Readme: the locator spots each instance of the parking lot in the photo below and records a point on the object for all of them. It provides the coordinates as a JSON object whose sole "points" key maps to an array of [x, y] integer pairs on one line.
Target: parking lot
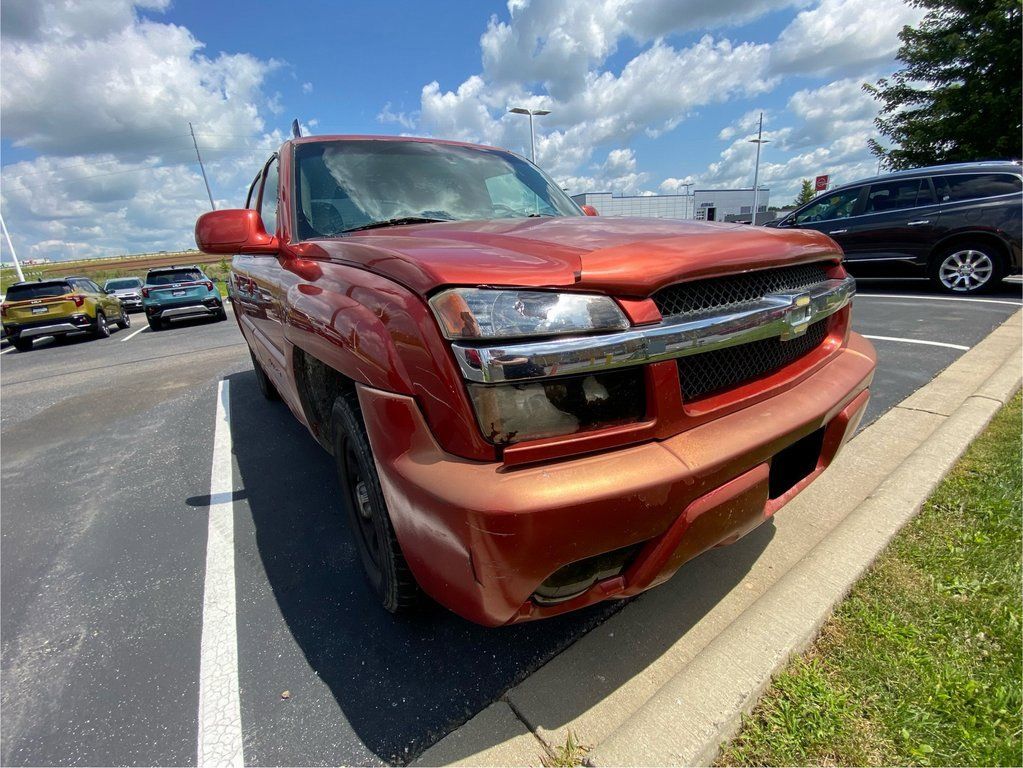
{"points": [[108, 460]]}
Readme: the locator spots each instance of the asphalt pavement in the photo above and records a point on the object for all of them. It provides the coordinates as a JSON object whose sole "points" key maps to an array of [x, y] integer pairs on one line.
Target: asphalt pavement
{"points": [[106, 470]]}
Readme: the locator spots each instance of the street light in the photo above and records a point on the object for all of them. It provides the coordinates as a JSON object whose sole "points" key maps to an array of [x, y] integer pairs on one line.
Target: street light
{"points": [[756, 172], [530, 112]]}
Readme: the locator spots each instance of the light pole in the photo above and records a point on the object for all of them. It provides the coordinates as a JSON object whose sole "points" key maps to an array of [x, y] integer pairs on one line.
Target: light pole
{"points": [[10, 246], [530, 112], [756, 171]]}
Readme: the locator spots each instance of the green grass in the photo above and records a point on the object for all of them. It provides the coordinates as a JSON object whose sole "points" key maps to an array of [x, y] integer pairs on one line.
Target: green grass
{"points": [[568, 756], [921, 665]]}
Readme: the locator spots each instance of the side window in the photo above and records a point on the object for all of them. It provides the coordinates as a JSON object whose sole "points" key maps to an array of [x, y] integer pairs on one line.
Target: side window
{"points": [[971, 186], [895, 195], [268, 199], [93, 287], [839, 205]]}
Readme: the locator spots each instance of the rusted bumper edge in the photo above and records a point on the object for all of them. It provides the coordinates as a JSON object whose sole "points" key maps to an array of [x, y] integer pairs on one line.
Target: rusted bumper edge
{"points": [[481, 537]]}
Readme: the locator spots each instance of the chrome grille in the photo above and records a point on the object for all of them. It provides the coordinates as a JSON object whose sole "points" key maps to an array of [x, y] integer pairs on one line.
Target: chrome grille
{"points": [[710, 372], [734, 291]]}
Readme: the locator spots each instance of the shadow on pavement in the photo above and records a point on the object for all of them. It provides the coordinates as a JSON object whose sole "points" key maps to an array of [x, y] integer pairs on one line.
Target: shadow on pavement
{"points": [[402, 682], [1007, 289]]}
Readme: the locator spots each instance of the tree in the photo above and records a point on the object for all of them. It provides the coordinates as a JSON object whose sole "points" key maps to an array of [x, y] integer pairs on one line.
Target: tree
{"points": [[959, 97], [806, 193]]}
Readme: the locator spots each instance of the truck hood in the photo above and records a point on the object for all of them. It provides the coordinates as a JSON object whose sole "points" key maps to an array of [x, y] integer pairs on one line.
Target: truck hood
{"points": [[621, 256]]}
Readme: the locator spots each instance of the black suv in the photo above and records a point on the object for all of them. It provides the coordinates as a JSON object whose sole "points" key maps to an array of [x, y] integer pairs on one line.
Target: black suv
{"points": [[959, 224]]}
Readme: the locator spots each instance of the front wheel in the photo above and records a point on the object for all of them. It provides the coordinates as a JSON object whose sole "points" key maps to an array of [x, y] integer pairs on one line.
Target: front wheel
{"points": [[125, 322], [385, 567], [266, 387], [101, 330], [155, 323], [22, 345], [967, 269]]}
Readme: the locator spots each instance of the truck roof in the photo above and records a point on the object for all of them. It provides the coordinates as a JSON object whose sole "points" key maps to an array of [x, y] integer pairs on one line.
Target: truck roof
{"points": [[369, 137], [174, 268]]}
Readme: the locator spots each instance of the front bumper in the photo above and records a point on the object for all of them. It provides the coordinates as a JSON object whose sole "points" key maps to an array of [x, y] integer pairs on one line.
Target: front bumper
{"points": [[482, 537]]}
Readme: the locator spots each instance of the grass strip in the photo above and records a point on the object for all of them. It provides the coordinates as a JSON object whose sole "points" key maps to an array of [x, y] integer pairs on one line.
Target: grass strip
{"points": [[921, 665]]}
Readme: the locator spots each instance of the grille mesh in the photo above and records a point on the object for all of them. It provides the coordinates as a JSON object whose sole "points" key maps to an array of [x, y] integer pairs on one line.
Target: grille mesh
{"points": [[733, 291], [709, 372]]}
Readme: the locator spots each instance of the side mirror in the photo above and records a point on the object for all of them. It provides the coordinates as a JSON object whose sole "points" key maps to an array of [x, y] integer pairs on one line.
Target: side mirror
{"points": [[589, 210], [234, 231]]}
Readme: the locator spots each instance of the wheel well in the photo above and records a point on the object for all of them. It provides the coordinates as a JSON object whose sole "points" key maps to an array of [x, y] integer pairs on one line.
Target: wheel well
{"points": [[319, 386], [972, 238]]}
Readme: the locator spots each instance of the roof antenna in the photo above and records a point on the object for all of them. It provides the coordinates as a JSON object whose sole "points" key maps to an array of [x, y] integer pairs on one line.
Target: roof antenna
{"points": [[296, 131]]}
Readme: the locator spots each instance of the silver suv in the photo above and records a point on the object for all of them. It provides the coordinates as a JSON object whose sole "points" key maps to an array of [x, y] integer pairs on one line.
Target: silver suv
{"points": [[127, 289]]}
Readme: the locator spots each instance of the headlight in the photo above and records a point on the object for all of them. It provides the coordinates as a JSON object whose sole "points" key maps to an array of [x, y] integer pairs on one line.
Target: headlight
{"points": [[511, 413], [474, 313]]}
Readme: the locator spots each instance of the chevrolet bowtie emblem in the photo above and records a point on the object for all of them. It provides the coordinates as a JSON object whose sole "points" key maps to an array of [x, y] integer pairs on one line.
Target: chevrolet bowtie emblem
{"points": [[797, 317]]}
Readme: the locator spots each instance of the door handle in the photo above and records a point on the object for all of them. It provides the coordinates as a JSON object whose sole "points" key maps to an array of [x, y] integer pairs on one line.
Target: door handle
{"points": [[918, 223], [838, 231]]}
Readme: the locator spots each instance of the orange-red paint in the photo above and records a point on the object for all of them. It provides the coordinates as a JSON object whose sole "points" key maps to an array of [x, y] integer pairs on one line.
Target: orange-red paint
{"points": [[482, 526]]}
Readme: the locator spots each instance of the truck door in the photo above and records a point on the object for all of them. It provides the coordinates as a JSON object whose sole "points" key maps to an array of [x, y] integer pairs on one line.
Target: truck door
{"points": [[263, 290]]}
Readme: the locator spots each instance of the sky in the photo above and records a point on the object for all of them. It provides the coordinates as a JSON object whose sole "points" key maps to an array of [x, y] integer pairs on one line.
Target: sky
{"points": [[645, 95]]}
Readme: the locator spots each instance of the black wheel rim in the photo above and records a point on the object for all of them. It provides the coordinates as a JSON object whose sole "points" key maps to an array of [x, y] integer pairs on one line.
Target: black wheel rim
{"points": [[362, 507]]}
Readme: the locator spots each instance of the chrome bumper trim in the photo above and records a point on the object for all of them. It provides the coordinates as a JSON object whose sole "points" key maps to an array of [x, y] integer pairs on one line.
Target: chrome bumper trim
{"points": [[191, 309], [782, 315], [49, 330]]}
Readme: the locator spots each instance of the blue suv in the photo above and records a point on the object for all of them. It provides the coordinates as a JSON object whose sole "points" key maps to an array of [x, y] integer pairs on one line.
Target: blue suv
{"points": [[180, 292]]}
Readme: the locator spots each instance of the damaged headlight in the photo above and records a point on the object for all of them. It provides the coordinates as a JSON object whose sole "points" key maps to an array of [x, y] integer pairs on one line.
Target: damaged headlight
{"points": [[477, 313], [511, 413]]}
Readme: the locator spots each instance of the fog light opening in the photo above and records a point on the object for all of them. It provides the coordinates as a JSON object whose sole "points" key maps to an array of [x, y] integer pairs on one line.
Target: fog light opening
{"points": [[575, 578]]}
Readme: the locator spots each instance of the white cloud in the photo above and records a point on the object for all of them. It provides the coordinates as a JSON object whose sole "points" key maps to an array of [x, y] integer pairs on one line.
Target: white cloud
{"points": [[555, 56], [388, 115], [106, 96], [827, 132], [842, 37], [307, 87]]}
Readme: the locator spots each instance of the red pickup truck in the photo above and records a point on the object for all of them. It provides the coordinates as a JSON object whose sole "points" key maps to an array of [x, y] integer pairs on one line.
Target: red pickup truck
{"points": [[532, 409]]}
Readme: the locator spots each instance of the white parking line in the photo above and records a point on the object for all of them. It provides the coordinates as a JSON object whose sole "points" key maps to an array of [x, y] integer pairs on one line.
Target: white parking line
{"points": [[935, 298], [133, 334], [220, 719], [917, 341]]}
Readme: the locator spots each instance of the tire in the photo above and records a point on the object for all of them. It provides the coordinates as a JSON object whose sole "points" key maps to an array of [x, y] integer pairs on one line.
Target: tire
{"points": [[383, 563], [967, 269], [265, 385], [22, 345], [221, 314], [155, 323], [101, 330], [125, 322]]}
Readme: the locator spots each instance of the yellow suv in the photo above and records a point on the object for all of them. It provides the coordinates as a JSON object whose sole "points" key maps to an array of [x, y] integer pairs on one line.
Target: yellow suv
{"points": [[59, 307]]}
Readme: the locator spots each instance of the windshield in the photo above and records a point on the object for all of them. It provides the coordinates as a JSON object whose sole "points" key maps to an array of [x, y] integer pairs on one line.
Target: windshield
{"points": [[175, 276], [119, 285], [37, 291], [343, 185]]}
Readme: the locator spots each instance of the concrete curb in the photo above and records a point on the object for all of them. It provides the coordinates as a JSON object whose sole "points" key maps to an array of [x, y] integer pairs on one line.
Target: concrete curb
{"points": [[667, 680]]}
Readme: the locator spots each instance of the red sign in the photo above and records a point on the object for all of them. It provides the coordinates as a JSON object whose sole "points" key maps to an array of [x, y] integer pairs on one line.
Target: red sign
{"points": [[821, 183]]}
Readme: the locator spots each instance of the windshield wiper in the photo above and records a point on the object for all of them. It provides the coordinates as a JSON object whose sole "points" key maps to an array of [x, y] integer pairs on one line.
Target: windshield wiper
{"points": [[394, 223]]}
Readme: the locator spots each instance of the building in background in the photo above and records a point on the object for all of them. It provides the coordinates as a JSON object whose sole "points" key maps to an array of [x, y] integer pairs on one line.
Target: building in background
{"points": [[703, 204], [644, 206], [729, 204]]}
